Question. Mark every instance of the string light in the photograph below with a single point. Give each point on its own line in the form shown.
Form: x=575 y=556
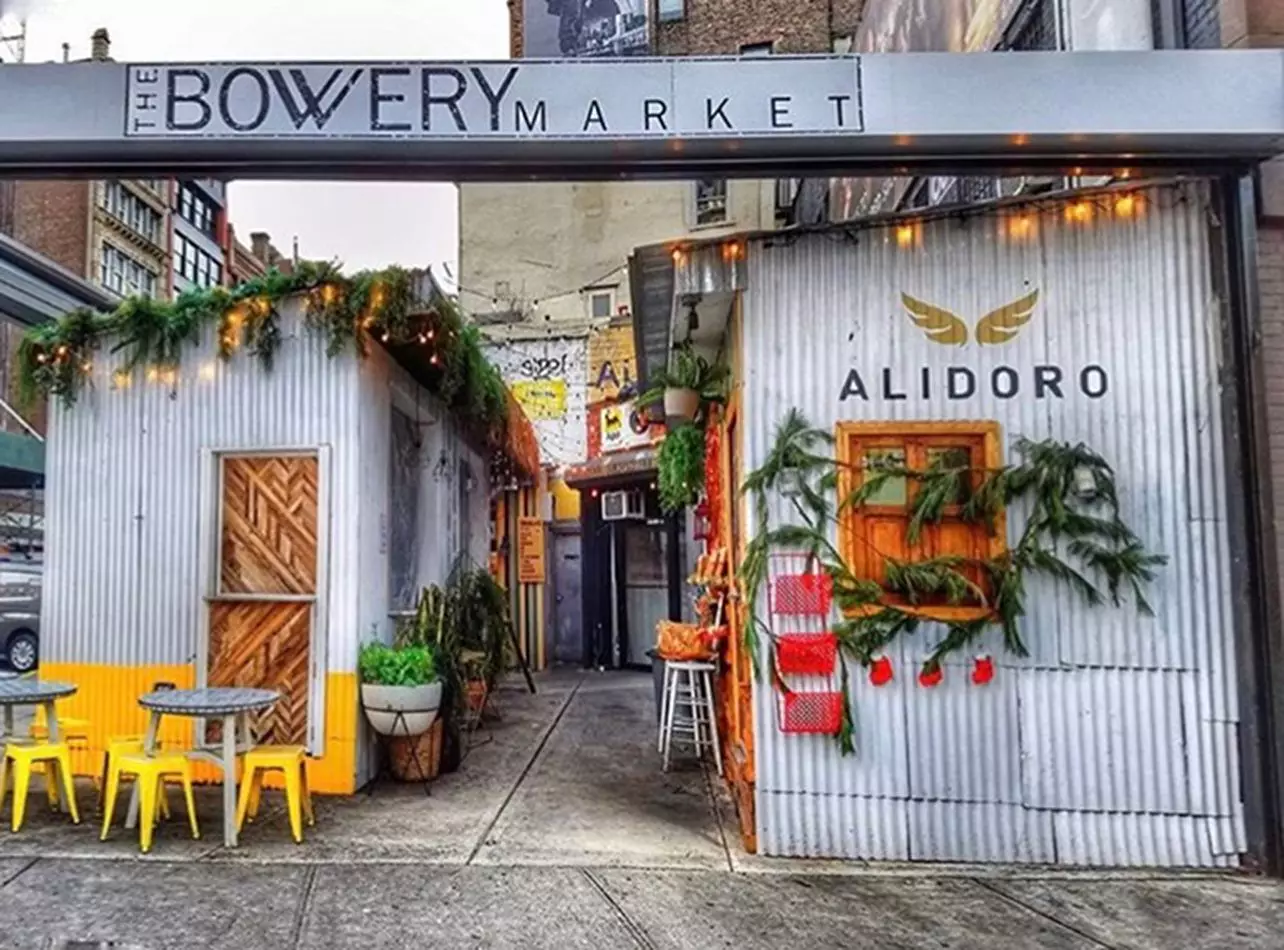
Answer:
x=86 y=367
x=41 y=358
x=1080 y=211
x=122 y=379
x=905 y=235
x=1126 y=206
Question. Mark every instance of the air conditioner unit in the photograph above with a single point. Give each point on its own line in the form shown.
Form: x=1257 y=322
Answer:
x=622 y=505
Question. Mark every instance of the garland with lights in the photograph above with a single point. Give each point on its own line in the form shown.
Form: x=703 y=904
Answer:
x=55 y=359
x=1072 y=535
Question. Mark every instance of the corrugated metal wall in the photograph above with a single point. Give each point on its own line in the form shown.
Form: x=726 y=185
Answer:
x=1115 y=743
x=124 y=499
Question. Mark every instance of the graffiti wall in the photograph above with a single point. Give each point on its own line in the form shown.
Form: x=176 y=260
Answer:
x=548 y=378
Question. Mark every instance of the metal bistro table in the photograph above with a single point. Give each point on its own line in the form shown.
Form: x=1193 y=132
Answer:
x=34 y=692
x=231 y=704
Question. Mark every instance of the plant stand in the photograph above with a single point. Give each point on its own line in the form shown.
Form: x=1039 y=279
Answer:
x=384 y=755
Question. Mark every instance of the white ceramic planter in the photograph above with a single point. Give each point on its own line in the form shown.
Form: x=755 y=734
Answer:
x=681 y=405
x=418 y=704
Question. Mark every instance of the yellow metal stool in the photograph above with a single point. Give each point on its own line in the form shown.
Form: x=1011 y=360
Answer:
x=291 y=761
x=55 y=757
x=116 y=747
x=70 y=730
x=151 y=773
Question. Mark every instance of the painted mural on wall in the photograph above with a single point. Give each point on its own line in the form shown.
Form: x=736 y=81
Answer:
x=612 y=364
x=547 y=378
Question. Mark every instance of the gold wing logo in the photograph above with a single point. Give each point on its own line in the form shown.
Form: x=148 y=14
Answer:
x=948 y=329
x=941 y=326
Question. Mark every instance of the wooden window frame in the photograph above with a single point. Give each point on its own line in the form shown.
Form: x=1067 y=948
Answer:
x=851 y=438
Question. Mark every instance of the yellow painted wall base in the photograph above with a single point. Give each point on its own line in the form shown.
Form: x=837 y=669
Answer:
x=107 y=697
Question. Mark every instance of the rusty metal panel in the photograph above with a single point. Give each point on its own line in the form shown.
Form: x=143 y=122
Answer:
x=1114 y=712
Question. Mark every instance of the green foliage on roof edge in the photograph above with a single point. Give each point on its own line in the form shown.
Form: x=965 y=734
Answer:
x=56 y=358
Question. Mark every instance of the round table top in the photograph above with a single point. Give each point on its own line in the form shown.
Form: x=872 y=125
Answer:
x=21 y=691
x=210 y=701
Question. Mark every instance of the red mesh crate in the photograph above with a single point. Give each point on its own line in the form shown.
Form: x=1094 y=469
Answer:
x=802 y=595
x=814 y=713
x=807 y=654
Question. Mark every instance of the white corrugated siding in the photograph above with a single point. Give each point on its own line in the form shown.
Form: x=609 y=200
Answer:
x=123 y=584
x=1115 y=743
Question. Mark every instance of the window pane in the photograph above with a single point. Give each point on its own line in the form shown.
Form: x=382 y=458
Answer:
x=954 y=458
x=892 y=489
x=601 y=305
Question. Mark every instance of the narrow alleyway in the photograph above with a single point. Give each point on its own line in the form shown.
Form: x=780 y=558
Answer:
x=561 y=831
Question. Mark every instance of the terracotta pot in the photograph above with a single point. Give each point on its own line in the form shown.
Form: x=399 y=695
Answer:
x=476 y=692
x=416 y=758
x=681 y=405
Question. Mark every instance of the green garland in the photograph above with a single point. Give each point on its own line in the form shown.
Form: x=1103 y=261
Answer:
x=55 y=359
x=1076 y=540
x=680 y=466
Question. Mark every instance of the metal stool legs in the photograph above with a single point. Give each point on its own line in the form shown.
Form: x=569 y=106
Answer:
x=689 y=685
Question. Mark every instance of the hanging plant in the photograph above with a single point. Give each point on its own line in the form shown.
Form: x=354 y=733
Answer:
x=55 y=359
x=687 y=385
x=1072 y=535
x=680 y=463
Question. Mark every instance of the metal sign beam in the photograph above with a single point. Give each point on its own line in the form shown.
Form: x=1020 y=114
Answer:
x=644 y=117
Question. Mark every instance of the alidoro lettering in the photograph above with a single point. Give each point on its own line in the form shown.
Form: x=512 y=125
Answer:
x=1044 y=381
x=519 y=100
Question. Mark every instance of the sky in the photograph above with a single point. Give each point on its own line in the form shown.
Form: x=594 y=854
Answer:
x=360 y=224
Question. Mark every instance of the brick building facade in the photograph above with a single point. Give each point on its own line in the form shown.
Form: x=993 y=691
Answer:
x=714 y=27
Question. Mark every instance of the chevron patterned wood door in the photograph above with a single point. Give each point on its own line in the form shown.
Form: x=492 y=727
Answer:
x=268 y=546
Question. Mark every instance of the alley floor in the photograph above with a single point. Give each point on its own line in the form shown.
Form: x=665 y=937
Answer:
x=561 y=831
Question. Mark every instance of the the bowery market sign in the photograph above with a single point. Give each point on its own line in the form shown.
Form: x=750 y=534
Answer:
x=581 y=99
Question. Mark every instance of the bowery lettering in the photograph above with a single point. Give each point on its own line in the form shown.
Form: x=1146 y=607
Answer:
x=519 y=100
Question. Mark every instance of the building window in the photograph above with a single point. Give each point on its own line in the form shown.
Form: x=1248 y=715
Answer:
x=710 y=201
x=758 y=49
x=131 y=211
x=124 y=275
x=879 y=529
x=672 y=10
x=1036 y=26
x=196 y=209
x=194 y=264
x=601 y=303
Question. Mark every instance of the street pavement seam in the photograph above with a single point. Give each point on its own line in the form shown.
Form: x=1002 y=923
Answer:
x=530 y=764
x=305 y=906
x=1031 y=909
x=717 y=814
x=635 y=929
x=18 y=873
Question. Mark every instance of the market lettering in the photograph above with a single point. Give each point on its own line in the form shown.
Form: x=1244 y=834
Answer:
x=1045 y=381
x=450 y=99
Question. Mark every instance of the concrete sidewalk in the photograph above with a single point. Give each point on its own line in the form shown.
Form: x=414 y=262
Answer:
x=562 y=832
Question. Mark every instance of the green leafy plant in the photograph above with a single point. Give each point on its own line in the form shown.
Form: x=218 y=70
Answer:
x=56 y=358
x=381 y=665
x=1072 y=535
x=688 y=370
x=680 y=465
x=466 y=623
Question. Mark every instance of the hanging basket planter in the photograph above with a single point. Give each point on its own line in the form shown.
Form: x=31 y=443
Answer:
x=813 y=714
x=681 y=405
x=807 y=654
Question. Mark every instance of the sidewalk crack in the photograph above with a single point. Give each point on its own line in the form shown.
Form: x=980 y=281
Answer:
x=640 y=936
x=1030 y=908
x=18 y=873
x=530 y=764
x=305 y=905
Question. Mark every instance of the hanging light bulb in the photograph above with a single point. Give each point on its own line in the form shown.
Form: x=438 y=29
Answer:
x=693 y=317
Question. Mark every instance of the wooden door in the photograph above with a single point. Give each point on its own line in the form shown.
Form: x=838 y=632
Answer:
x=260 y=625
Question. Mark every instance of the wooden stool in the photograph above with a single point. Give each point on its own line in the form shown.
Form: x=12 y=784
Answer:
x=690 y=684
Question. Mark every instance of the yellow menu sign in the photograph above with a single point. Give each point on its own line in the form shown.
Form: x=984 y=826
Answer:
x=530 y=550
x=541 y=399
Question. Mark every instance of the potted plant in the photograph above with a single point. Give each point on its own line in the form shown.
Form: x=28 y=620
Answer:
x=689 y=382
x=400 y=688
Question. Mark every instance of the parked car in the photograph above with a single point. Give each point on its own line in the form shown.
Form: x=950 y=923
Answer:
x=20 y=615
